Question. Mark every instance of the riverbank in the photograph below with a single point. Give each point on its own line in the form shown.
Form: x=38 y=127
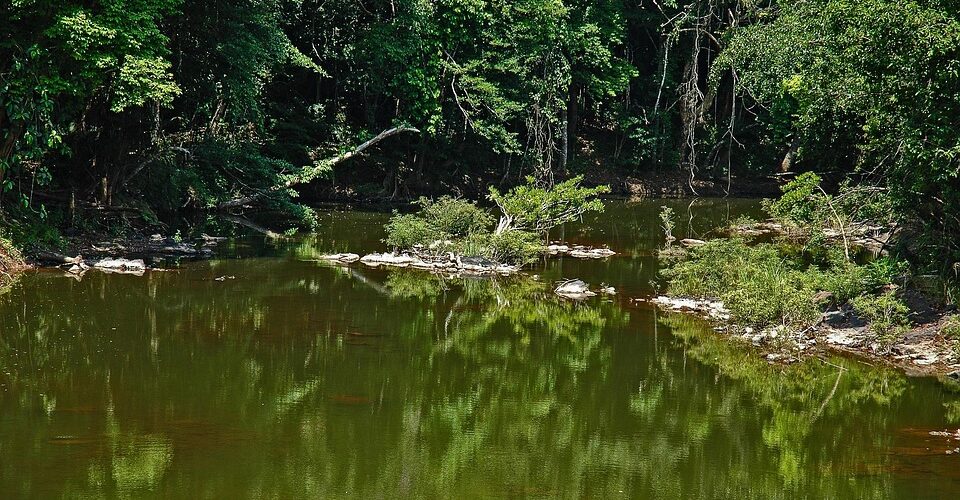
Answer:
x=923 y=350
x=11 y=263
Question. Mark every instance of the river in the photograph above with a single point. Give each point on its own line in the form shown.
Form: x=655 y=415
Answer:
x=266 y=373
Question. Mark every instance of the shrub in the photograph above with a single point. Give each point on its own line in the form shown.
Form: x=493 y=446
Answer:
x=761 y=286
x=532 y=208
x=455 y=217
x=667 y=222
x=886 y=314
x=951 y=327
x=518 y=247
x=756 y=283
x=801 y=202
x=439 y=221
x=409 y=230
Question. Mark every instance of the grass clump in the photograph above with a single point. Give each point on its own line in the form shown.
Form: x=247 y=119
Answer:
x=762 y=285
x=886 y=314
x=756 y=283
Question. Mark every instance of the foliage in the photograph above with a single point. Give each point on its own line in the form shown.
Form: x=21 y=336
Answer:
x=868 y=86
x=533 y=208
x=801 y=201
x=513 y=246
x=438 y=224
x=454 y=225
x=755 y=282
x=951 y=327
x=886 y=314
x=763 y=286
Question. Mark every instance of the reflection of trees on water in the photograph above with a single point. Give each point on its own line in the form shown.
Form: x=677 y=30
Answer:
x=298 y=379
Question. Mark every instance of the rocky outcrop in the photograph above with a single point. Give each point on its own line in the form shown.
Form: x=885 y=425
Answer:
x=574 y=289
x=346 y=258
x=579 y=251
x=125 y=266
x=449 y=263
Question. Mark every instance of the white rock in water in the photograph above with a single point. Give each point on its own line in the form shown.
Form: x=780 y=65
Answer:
x=388 y=258
x=591 y=253
x=122 y=265
x=574 y=289
x=341 y=257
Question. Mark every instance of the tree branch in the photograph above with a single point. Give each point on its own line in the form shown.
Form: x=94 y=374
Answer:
x=310 y=173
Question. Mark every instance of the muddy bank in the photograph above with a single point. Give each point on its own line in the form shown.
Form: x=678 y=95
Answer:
x=921 y=351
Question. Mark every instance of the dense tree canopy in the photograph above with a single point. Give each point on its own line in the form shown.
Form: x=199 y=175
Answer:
x=185 y=104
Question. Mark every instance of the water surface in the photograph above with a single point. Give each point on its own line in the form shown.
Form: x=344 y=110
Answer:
x=291 y=378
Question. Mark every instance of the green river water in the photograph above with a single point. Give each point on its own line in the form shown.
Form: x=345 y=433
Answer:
x=292 y=378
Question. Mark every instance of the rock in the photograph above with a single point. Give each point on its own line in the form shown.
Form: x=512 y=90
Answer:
x=555 y=249
x=590 y=253
x=841 y=338
x=122 y=265
x=574 y=289
x=341 y=257
x=608 y=290
x=834 y=318
x=481 y=262
x=691 y=243
x=388 y=258
x=178 y=249
x=211 y=240
x=926 y=360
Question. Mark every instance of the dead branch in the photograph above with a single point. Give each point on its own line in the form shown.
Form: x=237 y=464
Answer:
x=310 y=173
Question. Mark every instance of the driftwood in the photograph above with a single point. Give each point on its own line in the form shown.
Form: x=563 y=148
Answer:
x=55 y=258
x=311 y=173
x=252 y=225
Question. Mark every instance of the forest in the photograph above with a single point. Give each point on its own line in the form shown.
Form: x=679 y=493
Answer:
x=160 y=107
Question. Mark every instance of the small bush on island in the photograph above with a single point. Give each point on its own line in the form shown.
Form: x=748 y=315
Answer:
x=529 y=207
x=528 y=212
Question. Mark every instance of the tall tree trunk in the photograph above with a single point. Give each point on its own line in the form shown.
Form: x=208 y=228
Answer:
x=791 y=155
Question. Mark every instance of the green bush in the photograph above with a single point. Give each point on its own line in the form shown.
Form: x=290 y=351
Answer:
x=756 y=283
x=518 y=247
x=763 y=286
x=409 y=230
x=455 y=225
x=437 y=222
x=532 y=208
x=886 y=314
x=951 y=327
x=801 y=202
